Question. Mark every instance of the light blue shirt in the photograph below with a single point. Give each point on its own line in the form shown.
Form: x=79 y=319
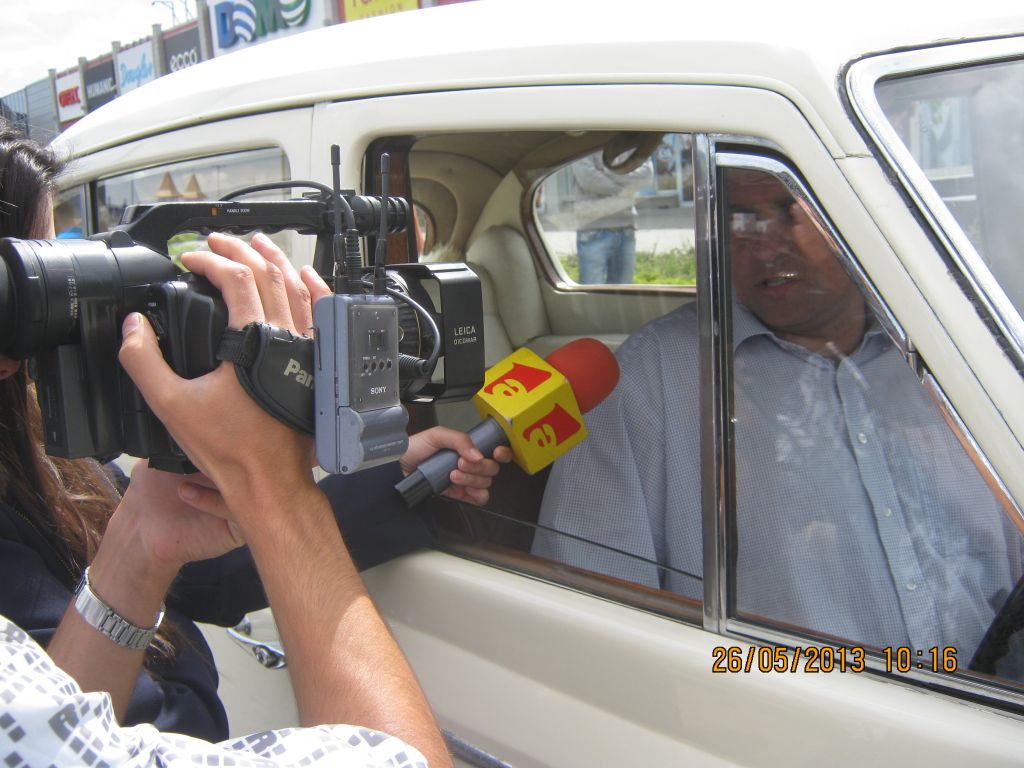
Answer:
x=859 y=513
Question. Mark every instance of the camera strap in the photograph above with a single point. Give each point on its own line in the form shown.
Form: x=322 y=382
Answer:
x=276 y=368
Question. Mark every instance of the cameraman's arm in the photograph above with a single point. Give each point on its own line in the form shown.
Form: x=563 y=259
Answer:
x=345 y=666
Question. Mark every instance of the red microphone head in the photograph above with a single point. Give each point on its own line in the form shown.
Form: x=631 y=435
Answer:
x=591 y=369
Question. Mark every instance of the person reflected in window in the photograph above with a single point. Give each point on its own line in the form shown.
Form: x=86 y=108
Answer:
x=606 y=216
x=859 y=514
x=66 y=221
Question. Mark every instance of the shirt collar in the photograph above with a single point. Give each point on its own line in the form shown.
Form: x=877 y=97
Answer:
x=746 y=326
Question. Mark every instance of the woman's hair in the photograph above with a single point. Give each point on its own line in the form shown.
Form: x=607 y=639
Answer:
x=28 y=173
x=67 y=501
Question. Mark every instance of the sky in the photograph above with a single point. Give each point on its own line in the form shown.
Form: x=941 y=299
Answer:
x=39 y=35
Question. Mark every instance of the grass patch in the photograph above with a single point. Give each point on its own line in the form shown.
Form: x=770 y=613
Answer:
x=676 y=266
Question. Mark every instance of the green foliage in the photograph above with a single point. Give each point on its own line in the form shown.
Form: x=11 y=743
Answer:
x=676 y=266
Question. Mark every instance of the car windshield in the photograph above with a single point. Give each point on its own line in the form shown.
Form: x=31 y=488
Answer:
x=964 y=128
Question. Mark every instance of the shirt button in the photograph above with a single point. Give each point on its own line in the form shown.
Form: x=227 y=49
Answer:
x=887 y=512
x=862 y=438
x=911 y=586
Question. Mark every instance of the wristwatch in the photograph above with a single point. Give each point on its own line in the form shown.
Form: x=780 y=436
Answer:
x=102 y=617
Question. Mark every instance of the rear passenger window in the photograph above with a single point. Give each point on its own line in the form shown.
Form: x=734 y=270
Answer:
x=622 y=214
x=207 y=178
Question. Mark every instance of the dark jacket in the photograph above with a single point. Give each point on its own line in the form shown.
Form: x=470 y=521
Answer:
x=181 y=694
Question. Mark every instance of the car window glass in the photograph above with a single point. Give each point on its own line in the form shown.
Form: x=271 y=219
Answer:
x=622 y=214
x=69 y=213
x=860 y=517
x=965 y=129
x=206 y=178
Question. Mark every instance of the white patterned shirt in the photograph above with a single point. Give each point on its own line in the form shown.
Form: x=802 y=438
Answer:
x=46 y=720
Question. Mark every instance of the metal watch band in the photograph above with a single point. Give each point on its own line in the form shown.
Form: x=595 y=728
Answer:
x=106 y=620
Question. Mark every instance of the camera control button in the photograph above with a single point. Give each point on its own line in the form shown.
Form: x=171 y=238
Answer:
x=158 y=327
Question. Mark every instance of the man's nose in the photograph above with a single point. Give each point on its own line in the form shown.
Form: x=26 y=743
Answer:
x=774 y=242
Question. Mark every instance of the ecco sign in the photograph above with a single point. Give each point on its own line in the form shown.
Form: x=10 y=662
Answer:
x=181 y=50
x=184 y=59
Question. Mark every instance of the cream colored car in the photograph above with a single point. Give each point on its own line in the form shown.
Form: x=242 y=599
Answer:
x=621 y=634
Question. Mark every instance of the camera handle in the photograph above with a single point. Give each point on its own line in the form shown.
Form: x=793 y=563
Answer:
x=276 y=368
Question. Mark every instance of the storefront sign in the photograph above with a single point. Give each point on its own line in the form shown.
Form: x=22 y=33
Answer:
x=236 y=24
x=181 y=49
x=100 y=83
x=70 y=96
x=350 y=10
x=135 y=66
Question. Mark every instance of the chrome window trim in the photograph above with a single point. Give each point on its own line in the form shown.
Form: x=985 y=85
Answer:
x=714 y=349
x=862 y=78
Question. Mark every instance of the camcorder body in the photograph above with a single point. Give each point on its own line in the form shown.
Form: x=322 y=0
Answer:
x=62 y=303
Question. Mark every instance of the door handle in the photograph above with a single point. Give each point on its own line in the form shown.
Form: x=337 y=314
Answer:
x=268 y=653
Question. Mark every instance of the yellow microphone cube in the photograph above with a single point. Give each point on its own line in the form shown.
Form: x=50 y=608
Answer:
x=535 y=405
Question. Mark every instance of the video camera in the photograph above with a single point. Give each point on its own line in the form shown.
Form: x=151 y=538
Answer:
x=62 y=303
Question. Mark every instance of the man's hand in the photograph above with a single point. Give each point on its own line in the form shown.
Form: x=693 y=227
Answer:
x=246 y=442
x=475 y=472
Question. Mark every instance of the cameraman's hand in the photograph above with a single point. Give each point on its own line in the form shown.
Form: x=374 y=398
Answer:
x=223 y=431
x=474 y=474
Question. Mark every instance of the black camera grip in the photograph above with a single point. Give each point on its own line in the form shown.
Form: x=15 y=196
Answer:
x=276 y=368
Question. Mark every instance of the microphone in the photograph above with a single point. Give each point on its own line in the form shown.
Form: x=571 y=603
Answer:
x=532 y=404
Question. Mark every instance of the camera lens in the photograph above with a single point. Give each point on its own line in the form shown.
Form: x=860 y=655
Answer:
x=41 y=300
x=7 y=309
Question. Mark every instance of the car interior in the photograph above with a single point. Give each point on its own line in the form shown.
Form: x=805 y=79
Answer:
x=501 y=203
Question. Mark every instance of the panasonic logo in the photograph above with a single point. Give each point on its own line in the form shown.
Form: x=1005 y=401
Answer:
x=305 y=378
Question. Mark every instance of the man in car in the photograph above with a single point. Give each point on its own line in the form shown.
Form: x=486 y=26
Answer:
x=859 y=515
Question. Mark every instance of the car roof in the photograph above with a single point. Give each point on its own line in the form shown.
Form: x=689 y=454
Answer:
x=798 y=49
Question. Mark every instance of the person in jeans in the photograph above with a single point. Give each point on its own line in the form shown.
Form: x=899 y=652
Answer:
x=605 y=208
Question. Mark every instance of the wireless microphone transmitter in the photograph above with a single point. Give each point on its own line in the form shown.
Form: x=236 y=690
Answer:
x=360 y=421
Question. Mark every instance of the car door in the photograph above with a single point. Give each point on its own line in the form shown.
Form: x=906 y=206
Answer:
x=607 y=653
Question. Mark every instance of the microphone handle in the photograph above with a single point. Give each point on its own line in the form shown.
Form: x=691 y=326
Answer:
x=433 y=475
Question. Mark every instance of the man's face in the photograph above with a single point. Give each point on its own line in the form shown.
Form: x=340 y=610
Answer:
x=784 y=270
